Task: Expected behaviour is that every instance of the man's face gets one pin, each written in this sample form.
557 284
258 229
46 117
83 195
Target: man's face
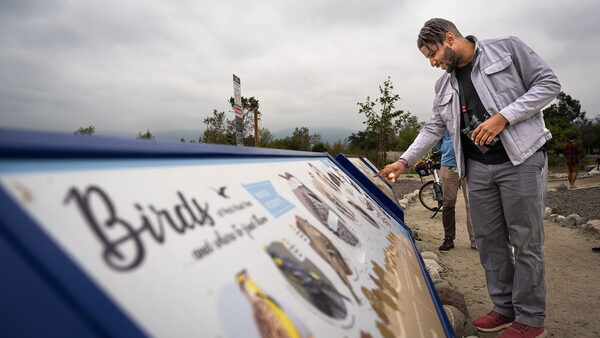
441 56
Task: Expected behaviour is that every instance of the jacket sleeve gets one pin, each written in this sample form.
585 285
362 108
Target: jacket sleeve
428 136
541 83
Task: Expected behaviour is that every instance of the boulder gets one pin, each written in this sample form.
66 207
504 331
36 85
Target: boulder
562 220
552 190
574 220
403 203
438 283
460 323
432 265
430 255
451 296
594 225
547 213
434 274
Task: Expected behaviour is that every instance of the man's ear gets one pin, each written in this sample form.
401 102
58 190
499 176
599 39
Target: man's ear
450 39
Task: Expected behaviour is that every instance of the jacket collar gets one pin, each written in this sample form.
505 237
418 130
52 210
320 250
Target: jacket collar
473 39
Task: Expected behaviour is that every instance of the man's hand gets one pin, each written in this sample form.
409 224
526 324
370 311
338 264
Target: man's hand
391 172
487 130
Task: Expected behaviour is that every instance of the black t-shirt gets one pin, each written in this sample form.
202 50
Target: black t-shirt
496 154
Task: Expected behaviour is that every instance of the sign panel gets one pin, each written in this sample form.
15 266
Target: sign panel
237 91
231 246
237 109
368 169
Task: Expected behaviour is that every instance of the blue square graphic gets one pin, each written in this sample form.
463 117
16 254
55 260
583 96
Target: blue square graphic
265 193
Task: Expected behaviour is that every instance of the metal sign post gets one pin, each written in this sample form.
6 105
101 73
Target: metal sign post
237 108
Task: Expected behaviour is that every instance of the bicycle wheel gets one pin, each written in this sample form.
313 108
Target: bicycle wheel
427 196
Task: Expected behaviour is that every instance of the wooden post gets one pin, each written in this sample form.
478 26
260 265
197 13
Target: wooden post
256 127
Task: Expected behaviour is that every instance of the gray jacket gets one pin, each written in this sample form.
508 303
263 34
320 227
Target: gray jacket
510 79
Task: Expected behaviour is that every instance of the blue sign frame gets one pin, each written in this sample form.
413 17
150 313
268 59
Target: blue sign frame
44 292
358 175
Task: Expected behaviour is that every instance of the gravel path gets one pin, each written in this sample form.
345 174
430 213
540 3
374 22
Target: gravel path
583 201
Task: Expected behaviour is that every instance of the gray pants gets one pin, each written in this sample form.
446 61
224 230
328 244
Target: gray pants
507 204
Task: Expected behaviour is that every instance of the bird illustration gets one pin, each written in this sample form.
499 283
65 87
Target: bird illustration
311 283
324 178
365 215
325 248
270 319
221 191
336 201
327 216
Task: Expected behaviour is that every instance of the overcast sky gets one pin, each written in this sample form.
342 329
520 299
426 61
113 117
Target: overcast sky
125 66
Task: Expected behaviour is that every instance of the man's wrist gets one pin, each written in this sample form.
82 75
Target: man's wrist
404 162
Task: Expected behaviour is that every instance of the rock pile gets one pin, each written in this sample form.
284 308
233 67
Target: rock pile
453 301
572 221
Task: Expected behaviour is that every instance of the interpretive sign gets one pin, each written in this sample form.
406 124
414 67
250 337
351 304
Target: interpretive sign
369 170
208 241
362 170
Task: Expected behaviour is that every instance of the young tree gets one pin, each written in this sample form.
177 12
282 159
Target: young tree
384 123
89 130
562 119
408 129
265 137
145 136
216 129
248 106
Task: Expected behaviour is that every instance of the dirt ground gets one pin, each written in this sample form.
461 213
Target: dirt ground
572 269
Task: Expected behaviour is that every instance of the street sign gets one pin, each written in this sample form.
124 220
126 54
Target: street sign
237 109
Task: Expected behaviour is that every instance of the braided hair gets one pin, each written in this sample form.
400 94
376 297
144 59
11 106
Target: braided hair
434 32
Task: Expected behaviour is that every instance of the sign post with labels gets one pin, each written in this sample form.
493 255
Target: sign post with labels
237 109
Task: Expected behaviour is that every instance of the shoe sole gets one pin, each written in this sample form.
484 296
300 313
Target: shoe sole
496 329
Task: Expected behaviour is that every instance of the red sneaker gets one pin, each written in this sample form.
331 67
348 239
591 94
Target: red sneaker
492 322
518 330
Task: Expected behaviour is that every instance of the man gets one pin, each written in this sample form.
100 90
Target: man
503 83
450 183
571 151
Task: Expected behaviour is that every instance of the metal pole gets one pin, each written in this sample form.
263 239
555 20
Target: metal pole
256 127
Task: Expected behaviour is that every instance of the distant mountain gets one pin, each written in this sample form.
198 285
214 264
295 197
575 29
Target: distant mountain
328 135
176 135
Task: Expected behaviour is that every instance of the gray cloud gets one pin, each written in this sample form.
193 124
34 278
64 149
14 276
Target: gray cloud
136 65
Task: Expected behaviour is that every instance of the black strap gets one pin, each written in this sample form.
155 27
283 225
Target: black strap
463 103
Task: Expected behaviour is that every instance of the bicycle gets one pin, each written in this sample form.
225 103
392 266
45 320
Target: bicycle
430 194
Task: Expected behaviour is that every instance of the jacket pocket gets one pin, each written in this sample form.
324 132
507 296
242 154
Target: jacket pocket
443 105
506 80
500 74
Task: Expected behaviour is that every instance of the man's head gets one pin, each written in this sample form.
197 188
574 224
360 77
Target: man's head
440 41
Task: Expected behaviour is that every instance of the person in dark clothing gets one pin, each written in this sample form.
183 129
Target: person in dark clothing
572 152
